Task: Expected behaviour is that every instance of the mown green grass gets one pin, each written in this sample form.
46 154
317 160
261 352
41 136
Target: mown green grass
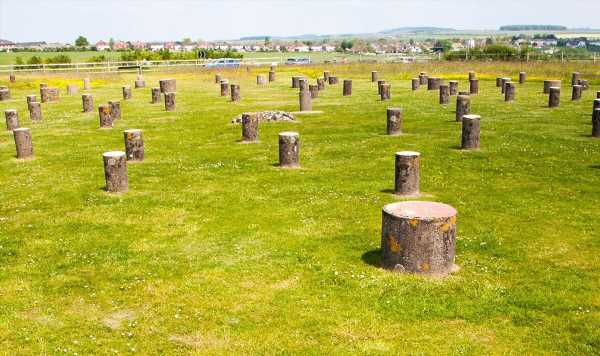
216 250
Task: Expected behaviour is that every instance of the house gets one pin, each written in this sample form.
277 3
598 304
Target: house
120 45
102 46
302 48
138 45
36 46
329 48
316 48
6 45
156 46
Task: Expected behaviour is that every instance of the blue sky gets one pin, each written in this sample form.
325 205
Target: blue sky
63 20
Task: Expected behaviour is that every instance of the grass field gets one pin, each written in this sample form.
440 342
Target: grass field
215 250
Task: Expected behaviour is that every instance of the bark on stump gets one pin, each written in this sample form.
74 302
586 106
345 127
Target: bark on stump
314 91
394 121
503 83
168 85
115 109
126 92
379 84
333 80
499 82
303 84
224 88
115 171
474 86
509 91
134 145
472 75
347 87
386 92
140 83
554 97
433 83
374 76
86 83
444 94
272 76
169 101
249 127
23 143
31 99
106 121
408 174
296 82
423 78
87 102
419 237
522 77
305 101
155 95
218 78
289 149
35 111
12 119
575 78
261 80
72 89
453 86
463 106
470 132
415 84
235 92
577 89
550 83
596 123
321 84
45 94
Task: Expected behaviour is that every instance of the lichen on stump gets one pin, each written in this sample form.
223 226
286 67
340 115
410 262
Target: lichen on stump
115 109
87 102
386 92
23 143
249 127
470 132
407 175
134 145
419 237
106 121
115 171
289 149
394 121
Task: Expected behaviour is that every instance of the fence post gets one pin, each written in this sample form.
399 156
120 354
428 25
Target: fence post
562 57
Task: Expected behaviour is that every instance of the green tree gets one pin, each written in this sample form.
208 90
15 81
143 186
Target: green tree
267 41
111 43
81 42
186 41
446 45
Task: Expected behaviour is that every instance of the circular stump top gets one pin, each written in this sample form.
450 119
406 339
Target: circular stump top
114 154
408 153
20 129
289 133
132 131
420 210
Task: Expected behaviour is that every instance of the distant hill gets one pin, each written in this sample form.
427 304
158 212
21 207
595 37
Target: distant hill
533 28
313 37
417 30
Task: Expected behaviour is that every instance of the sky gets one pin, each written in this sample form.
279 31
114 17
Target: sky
149 20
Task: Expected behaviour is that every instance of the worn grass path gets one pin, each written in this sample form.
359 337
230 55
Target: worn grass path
215 250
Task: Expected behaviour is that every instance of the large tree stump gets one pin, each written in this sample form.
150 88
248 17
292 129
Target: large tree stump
115 109
474 86
235 92
289 149
509 91
394 121
261 80
140 83
419 237
86 83
155 94
126 92
72 89
433 83
333 80
23 143
347 87
134 144
224 87
386 92
249 127
522 77
503 82
463 106
106 120
303 84
31 98
296 82
314 91
575 78
550 83
424 79
115 171
305 100
453 87
470 132
415 84
272 76
577 89
45 94
168 85
596 123
408 174
321 83
169 101
218 78
35 111
12 119
379 84
374 76
444 94
87 102
472 75
326 75
554 97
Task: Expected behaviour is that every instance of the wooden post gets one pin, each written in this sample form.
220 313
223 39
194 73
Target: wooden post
155 93
314 91
551 83
106 121
23 143
271 76
224 87
554 97
115 109
140 83
321 84
347 87
394 121
444 94
474 86
509 91
169 101
126 92
87 101
305 100
470 132
218 78
453 87
522 77
35 111
333 80
596 122
408 174
576 95
386 92
134 145
374 76
235 92
115 171
415 84
12 119
168 85
289 149
261 80
249 127
31 99
463 106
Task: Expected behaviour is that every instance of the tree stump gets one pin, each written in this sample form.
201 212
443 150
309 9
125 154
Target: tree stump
235 92
43 85
23 143
140 83
326 75
470 132
35 111
554 97
575 78
115 171
168 85
296 82
584 84
272 76
347 87
169 101
31 99
463 106
305 100
415 84
472 75
12 78
115 109
54 94
87 101
596 123
224 88
596 104
72 89
289 149
550 83
499 82
509 91
394 121
261 80
12 119
86 83
218 78
419 237
106 121
433 83
408 174
303 84
374 76
333 80
474 86
598 95
314 91
126 92
453 87
134 144
45 94
321 83
503 83
249 127
379 84
424 79
386 92
522 77
4 93
577 89
444 94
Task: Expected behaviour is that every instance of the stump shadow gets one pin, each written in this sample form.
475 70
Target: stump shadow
595 166
372 257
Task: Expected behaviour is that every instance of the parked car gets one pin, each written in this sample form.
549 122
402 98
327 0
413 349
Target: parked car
224 63
298 61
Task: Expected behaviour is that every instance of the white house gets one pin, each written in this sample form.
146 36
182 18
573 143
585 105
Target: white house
102 46
6 45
